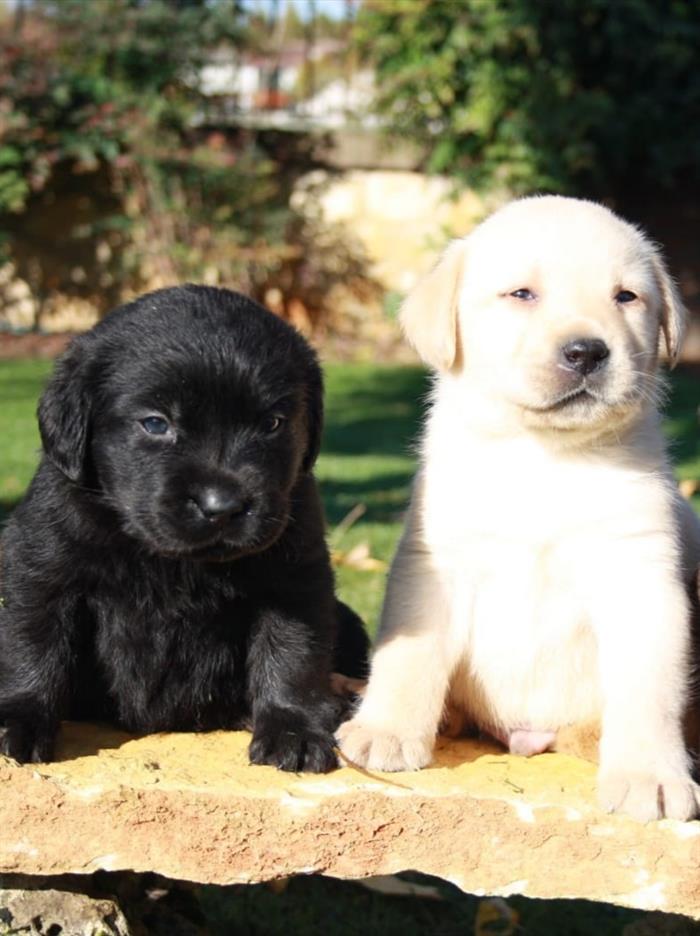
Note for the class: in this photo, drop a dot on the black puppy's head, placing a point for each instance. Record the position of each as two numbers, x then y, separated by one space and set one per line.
191 413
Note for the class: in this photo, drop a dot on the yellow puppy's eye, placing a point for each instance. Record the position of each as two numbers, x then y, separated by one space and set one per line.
626 295
524 294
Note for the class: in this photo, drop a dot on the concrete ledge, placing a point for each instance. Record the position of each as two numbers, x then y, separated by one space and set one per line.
190 807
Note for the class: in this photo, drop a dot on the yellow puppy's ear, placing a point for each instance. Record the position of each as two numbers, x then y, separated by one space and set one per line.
673 312
429 313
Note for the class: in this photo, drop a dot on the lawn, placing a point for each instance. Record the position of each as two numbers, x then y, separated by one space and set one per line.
373 418
373 415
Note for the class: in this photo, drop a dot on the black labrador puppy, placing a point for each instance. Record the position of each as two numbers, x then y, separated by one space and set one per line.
167 569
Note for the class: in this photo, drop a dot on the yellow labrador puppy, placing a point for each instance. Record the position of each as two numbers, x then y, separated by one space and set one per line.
541 578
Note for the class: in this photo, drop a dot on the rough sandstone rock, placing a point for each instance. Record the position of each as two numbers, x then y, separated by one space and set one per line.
190 807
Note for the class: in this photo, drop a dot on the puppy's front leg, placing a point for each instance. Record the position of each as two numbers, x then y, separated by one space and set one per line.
294 712
642 620
35 660
397 722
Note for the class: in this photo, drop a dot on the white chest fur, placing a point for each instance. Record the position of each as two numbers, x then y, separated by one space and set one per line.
518 531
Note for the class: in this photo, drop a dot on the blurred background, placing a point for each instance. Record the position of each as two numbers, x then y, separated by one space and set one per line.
318 155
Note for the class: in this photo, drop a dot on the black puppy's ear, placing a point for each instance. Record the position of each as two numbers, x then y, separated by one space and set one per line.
64 413
314 415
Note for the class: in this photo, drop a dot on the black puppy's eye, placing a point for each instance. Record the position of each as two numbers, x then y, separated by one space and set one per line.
526 295
626 295
272 424
155 425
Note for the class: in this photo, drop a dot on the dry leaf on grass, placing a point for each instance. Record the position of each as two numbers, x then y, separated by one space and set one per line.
688 487
359 557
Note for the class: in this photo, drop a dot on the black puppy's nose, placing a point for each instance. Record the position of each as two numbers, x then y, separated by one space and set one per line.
585 355
219 504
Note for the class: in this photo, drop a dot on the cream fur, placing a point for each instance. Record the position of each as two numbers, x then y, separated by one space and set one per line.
540 579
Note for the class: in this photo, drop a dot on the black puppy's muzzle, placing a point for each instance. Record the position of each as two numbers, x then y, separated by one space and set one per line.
207 513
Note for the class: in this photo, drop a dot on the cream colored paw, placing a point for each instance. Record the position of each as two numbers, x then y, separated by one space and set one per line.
381 750
647 796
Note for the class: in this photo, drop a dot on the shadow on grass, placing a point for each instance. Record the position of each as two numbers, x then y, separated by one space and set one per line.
384 495
683 415
6 508
376 415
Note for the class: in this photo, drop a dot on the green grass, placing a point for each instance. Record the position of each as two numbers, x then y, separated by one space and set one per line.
683 426
373 415
372 420
20 385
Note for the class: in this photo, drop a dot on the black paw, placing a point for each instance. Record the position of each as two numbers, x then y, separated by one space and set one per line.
26 743
287 742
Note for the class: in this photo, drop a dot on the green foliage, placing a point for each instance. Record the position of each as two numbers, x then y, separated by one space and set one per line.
572 95
110 179
90 82
107 93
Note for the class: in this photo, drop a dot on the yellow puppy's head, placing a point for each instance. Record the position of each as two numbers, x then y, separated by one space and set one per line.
553 307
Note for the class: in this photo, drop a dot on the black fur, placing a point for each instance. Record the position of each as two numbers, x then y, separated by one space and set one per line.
177 579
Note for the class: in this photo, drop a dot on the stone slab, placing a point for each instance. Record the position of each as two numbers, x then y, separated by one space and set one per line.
190 807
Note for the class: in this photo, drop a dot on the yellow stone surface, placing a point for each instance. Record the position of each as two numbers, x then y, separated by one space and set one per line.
191 807
402 219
